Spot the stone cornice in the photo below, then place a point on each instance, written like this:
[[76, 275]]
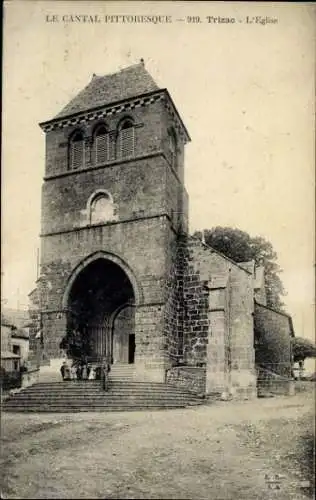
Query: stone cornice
[[88, 227], [119, 107]]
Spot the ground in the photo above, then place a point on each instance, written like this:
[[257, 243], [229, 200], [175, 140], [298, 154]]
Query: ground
[[249, 450]]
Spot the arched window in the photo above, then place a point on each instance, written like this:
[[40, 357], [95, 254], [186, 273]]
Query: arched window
[[76, 151], [101, 208], [173, 148], [126, 139], [101, 145]]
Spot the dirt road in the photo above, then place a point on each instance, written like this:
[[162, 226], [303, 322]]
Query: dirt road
[[250, 450]]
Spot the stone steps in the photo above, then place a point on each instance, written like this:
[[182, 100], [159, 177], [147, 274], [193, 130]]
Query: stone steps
[[123, 372], [105, 400], [121, 394], [78, 409], [77, 396], [114, 386], [107, 395]]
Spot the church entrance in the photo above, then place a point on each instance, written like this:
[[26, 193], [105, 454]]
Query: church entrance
[[131, 348], [101, 314], [123, 337]]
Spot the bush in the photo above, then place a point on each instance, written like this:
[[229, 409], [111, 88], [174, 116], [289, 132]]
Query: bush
[[10, 380]]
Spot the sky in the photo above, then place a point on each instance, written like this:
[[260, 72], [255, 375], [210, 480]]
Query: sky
[[245, 91]]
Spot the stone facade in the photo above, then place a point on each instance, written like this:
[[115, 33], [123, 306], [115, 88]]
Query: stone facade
[[148, 208], [132, 281]]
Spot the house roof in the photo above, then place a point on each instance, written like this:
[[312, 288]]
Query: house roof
[[9, 355], [16, 318], [102, 90], [20, 333]]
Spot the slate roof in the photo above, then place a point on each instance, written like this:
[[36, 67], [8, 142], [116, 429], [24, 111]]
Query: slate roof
[[20, 333], [14, 317], [9, 355], [102, 90]]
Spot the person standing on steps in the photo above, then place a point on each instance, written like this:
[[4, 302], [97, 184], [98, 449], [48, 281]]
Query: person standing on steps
[[63, 370], [84, 372], [73, 372], [106, 368], [79, 371]]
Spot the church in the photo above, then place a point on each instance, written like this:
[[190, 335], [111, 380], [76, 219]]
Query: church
[[119, 270]]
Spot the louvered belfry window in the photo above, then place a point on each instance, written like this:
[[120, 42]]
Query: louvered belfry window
[[112, 145], [173, 148], [101, 145], [76, 156], [126, 139]]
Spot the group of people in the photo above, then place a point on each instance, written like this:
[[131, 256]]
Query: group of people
[[78, 371], [85, 371]]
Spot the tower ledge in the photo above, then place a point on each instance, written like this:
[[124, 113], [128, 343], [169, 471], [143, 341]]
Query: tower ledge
[[118, 107]]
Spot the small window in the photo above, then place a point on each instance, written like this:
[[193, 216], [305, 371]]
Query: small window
[[173, 148], [101, 145], [101, 208], [76, 151], [16, 349], [126, 139]]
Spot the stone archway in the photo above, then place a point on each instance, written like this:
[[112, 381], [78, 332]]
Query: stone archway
[[93, 294], [107, 256], [122, 333]]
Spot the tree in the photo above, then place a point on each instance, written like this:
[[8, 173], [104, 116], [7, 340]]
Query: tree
[[76, 345], [302, 348], [241, 247]]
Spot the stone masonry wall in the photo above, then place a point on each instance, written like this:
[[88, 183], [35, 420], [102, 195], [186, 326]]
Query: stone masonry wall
[[150, 343], [230, 345], [173, 318], [195, 298], [243, 374], [186, 320], [136, 188], [189, 378], [209, 322], [273, 340]]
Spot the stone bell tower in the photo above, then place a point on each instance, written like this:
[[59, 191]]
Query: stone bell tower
[[113, 204]]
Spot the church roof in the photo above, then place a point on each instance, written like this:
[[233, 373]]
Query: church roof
[[102, 90]]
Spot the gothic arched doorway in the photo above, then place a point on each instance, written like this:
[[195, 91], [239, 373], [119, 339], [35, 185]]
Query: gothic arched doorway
[[99, 290], [122, 324]]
